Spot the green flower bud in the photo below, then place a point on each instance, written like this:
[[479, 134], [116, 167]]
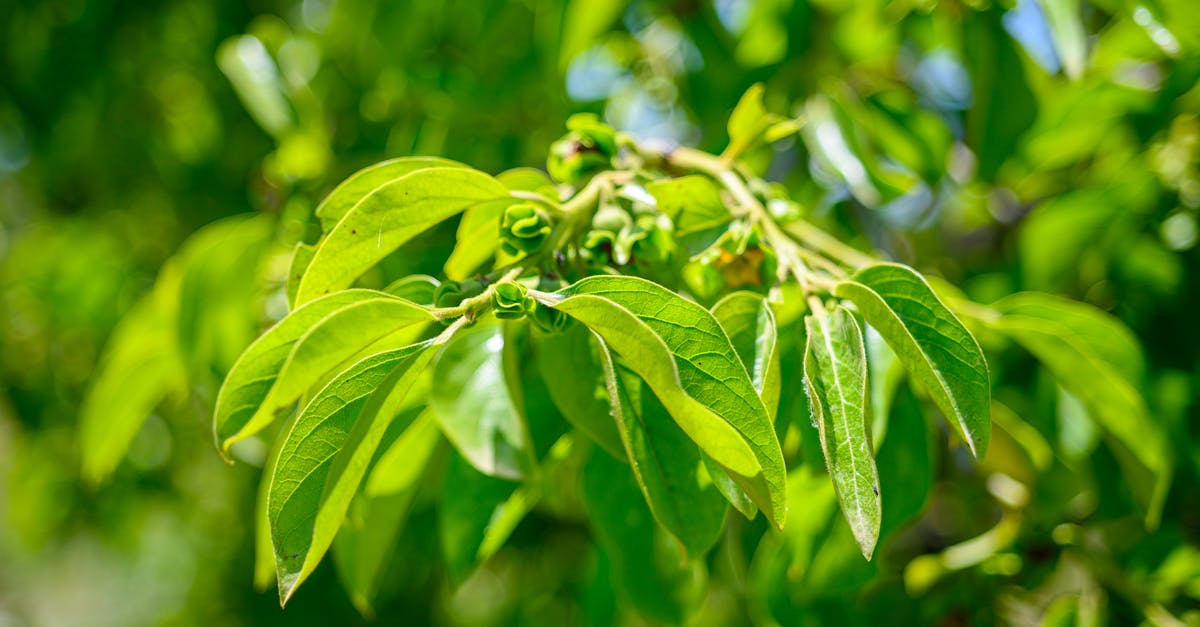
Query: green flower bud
[[512, 301], [523, 228], [586, 149]]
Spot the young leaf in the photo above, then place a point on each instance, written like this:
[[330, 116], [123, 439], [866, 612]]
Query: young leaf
[[682, 353], [138, 370], [931, 343], [322, 347], [377, 515], [388, 217], [478, 514], [575, 379], [666, 464], [474, 407], [748, 121], [350, 191], [750, 325], [326, 452], [660, 589], [835, 373]]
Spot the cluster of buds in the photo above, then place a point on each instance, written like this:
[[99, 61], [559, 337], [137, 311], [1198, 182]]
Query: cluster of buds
[[524, 227], [512, 301]]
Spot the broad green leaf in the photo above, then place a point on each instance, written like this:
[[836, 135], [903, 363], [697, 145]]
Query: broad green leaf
[[529, 180], [905, 463], [1098, 331], [302, 255], [326, 453], [219, 272], [750, 324], [667, 465], [389, 216], [349, 192], [529, 392], [643, 571], [140, 367], [253, 374], [694, 205], [326, 343], [835, 374], [264, 550], [478, 515], [474, 407], [930, 341], [1105, 392], [575, 378], [682, 353], [377, 515]]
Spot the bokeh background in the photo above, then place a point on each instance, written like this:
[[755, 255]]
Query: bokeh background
[[1038, 144]]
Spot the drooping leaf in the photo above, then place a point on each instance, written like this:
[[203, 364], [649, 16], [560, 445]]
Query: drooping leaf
[[477, 240], [389, 216], [140, 367], [643, 571], [694, 205], [1065, 19], [667, 465], [682, 353], [905, 463], [575, 378], [418, 288], [304, 348], [1079, 361], [352, 190], [474, 407], [377, 515], [930, 341], [478, 515], [835, 372], [529, 392], [326, 453]]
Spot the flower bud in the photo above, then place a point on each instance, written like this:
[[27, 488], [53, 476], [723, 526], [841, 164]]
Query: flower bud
[[586, 149], [523, 228], [512, 301]]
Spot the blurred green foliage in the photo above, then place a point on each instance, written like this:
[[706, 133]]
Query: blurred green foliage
[[1039, 144]]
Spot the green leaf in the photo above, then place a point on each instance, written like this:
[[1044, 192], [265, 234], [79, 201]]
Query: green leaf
[[139, 369], [835, 374], [302, 255], [477, 240], [905, 463], [930, 341], [474, 407], [349, 192], [584, 22], [575, 378], [301, 350], [1098, 331], [667, 465], [694, 205], [326, 453], [377, 515], [748, 121], [389, 216], [478, 515], [643, 571], [682, 353], [1079, 361], [418, 288], [750, 324]]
